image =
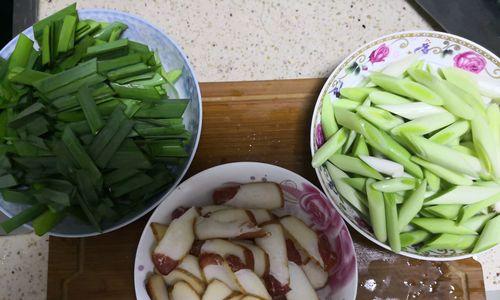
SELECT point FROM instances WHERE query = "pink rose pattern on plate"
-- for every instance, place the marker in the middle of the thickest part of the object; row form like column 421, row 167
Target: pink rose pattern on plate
column 325, row 219
column 320, row 137
column 317, row 207
column 470, row 61
column 379, row 54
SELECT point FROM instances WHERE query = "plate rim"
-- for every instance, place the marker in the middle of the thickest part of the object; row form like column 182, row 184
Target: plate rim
column 316, row 109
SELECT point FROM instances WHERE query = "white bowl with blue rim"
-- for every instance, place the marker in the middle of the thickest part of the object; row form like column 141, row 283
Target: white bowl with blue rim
column 434, row 47
column 172, row 57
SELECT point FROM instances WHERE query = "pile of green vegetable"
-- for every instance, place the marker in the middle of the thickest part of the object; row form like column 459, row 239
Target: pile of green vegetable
column 90, row 123
column 416, row 151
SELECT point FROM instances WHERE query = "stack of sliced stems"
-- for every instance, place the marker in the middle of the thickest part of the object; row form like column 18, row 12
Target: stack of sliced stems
column 90, row 124
column 417, row 153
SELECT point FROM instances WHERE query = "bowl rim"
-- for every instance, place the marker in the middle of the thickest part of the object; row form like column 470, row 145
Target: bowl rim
column 240, row 165
column 195, row 145
column 312, row 141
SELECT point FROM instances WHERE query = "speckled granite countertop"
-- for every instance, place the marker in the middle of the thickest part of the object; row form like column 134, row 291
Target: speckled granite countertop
column 23, row 267
column 233, row 40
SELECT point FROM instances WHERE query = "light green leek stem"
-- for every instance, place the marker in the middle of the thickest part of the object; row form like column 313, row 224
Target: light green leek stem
column 376, row 207
column 451, row 133
column 379, row 117
column 470, row 210
column 357, row 94
column 449, row 176
column 350, row 141
column 484, row 140
column 358, row 183
column 447, row 211
column 380, row 97
column 433, row 181
column 444, row 156
column 329, row 148
column 450, row 241
column 464, row 195
column 452, row 102
column 391, row 214
column 395, row 184
column 478, row 222
column 437, row 225
column 407, row 88
column 354, row 165
column 356, row 199
column 462, row 79
column 413, row 237
column 425, row 125
column 328, row 123
column 489, row 236
column 379, row 140
column 412, row 205
column 360, row 147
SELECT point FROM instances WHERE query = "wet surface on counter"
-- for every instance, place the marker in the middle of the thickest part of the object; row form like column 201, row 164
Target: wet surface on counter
column 385, row 275
column 412, row 280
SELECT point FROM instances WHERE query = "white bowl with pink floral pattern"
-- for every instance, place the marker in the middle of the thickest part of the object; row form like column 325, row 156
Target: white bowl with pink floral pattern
column 302, row 199
column 438, row 48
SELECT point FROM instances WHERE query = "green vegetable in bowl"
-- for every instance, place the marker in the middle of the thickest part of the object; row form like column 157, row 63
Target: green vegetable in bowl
column 334, row 144
column 438, row 225
column 391, row 212
column 464, row 195
column 386, row 98
column 86, row 124
column 442, row 172
column 357, row 199
column 407, row 88
column 424, row 125
column 412, row 205
column 379, row 117
column 424, row 169
column 450, row 241
column 413, row 237
column 359, row 183
column 354, row 165
column 447, row 211
column 489, row 236
column 396, row 184
column 451, row 133
column 350, row 141
column 327, row 118
column 346, row 104
column 413, row 110
column 358, row 94
column 376, row 207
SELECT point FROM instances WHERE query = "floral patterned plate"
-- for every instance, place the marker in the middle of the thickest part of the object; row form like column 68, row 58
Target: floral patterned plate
column 302, row 199
column 435, row 47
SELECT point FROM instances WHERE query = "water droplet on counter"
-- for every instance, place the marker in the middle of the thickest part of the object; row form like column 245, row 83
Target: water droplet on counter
column 370, row 285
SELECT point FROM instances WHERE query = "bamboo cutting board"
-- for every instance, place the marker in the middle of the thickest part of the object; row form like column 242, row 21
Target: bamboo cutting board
column 266, row 121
